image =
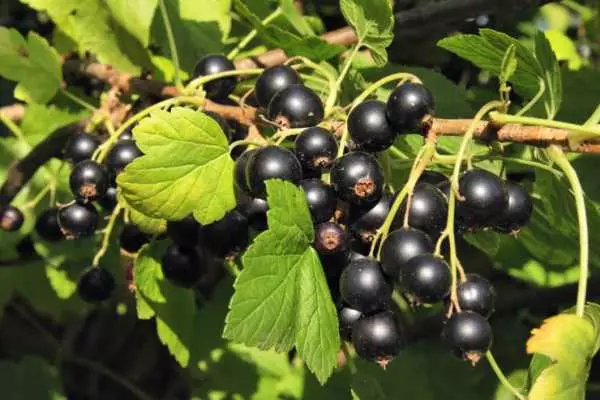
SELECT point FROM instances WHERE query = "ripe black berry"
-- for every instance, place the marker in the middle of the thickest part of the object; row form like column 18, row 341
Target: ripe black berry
column 254, row 209
column 485, row 196
column 400, row 247
column 132, row 239
column 121, row 154
column 377, row 338
column 11, row 218
column 330, row 238
column 433, row 178
column 47, row 226
column 213, row 64
column 185, row 232
column 127, row 135
column 469, row 334
column 269, row 163
column 347, row 318
column 476, row 294
column 228, row 236
column 364, row 221
column 78, row 220
column 321, row 199
column 95, row 285
column 109, row 201
column 518, row 211
column 316, row 149
column 428, row 210
column 295, row 107
column 81, row 147
column 409, row 106
column 357, row 178
column 369, row 128
column 182, row 266
column 239, row 171
column 89, row 180
column 426, row 279
column 363, row 286
column 272, row 81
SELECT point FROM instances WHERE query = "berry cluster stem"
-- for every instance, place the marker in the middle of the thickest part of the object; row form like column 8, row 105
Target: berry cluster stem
column 202, row 80
column 172, row 45
column 501, row 377
column 106, row 234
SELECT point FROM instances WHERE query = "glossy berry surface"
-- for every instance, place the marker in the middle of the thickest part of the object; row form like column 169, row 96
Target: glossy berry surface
column 357, row 178
column 213, row 64
column 272, row 81
column 11, row 218
column 185, row 232
column 109, row 201
column 81, row 147
column 47, row 226
column 95, row 285
column 269, row 163
column 330, row 238
column 347, row 318
column 377, row 337
column 485, row 196
column 89, row 180
column 239, row 172
column 518, row 211
column 132, row 238
column 121, row 155
column 469, row 334
column 369, row 128
column 428, row 210
column 364, row 221
column 408, row 106
column 78, row 220
column 254, row 209
column 296, row 107
column 316, row 149
column 425, row 278
column 401, row 246
column 364, row 287
column 476, row 294
column 228, row 236
column 182, row 266
column 433, row 178
column 321, row 199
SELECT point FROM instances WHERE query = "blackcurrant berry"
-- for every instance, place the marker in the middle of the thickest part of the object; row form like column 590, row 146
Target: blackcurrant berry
column 425, row 279
column 347, row 318
column 321, row 199
column 213, row 64
column 518, row 211
column 296, row 107
column 485, row 196
column 78, row 220
column 47, row 226
column 254, row 209
column 476, row 294
column 109, row 201
column 272, row 81
column 433, row 178
column 330, row 238
column 26, row 248
column 354, row 256
column 95, row 285
column 364, row 287
column 182, row 266
column 316, row 149
column 468, row 334
column 400, row 247
column 364, row 221
column 269, row 163
column 227, row 237
column 132, row 239
column 185, row 232
column 357, row 178
column 81, row 147
column 240, row 170
column 11, row 218
column 369, row 128
column 127, row 135
column 377, row 338
column 121, row 154
column 89, row 180
column 409, row 107
column 428, row 210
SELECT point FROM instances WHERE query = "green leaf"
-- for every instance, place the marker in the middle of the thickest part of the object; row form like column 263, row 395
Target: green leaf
column 291, row 13
column 551, row 74
column 32, row 63
column 135, row 16
column 281, row 296
column 509, row 64
column 40, row 121
column 30, row 378
column 185, row 168
column 373, row 21
column 570, row 342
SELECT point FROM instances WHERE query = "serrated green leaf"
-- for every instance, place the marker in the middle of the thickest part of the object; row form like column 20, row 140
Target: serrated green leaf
column 40, row 121
column 373, row 21
column 186, row 168
column 296, row 19
column 30, row 378
column 281, row 296
column 135, row 16
column 550, row 73
column 32, row 63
